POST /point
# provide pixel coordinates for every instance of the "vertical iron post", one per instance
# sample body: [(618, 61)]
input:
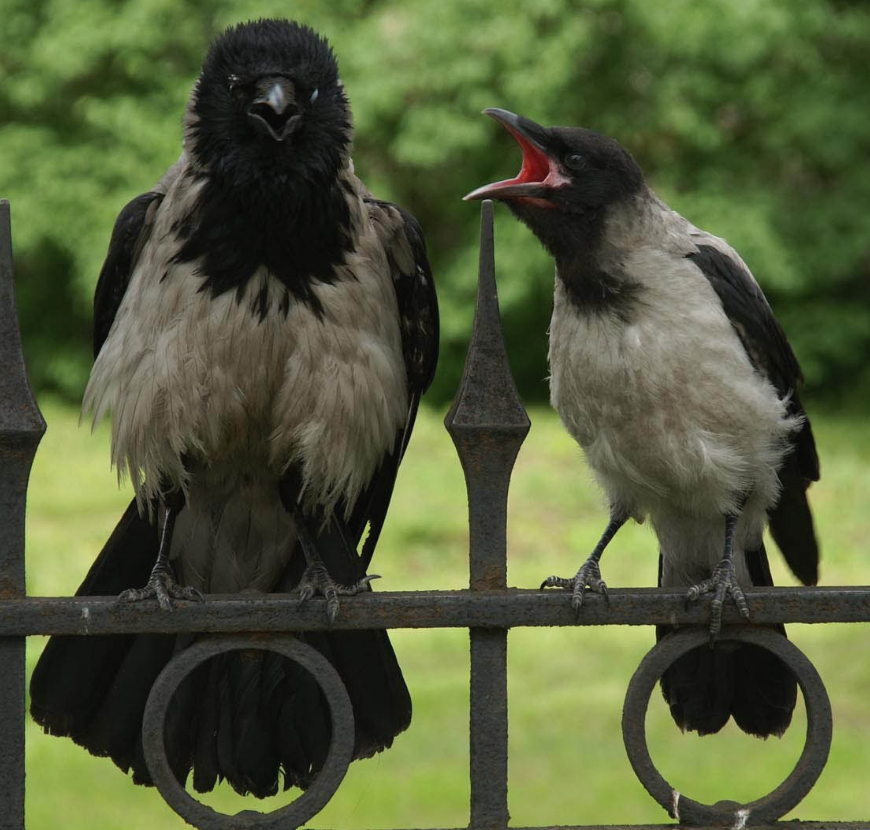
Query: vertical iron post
[(488, 424), (21, 428)]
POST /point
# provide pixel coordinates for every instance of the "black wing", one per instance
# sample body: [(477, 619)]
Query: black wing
[(132, 229), (791, 522), (405, 248)]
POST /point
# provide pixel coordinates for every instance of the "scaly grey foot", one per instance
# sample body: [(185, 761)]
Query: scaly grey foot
[(722, 583), (588, 578), (161, 586), (316, 580)]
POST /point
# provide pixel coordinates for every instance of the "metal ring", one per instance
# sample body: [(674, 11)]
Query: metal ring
[(328, 778), (787, 795)]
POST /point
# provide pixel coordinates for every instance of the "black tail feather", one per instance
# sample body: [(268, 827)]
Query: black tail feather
[(255, 755), (74, 673), (245, 717), (293, 746), (792, 528), (707, 686), (184, 716), (766, 695), (699, 688), (206, 764), (117, 722)]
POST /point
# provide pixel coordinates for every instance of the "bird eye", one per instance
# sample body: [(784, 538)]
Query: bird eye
[(314, 96), (575, 161), (235, 86)]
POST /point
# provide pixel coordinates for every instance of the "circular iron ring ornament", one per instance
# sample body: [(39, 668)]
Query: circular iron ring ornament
[(306, 805), (775, 804)]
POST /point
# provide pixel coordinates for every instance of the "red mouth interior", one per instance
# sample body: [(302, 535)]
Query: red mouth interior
[(536, 165), (537, 169)]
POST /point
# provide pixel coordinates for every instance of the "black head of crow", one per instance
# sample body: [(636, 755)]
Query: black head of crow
[(670, 370), (269, 128), (263, 332), (569, 176), (269, 109)]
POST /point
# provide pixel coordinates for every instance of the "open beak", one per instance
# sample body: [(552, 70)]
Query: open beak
[(274, 111), (539, 173)]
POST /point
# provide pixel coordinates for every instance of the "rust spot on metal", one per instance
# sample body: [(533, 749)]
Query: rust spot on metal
[(9, 588)]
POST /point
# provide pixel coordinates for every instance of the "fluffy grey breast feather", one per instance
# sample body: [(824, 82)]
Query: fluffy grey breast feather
[(671, 415)]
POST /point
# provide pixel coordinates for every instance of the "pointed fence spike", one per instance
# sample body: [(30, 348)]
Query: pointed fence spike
[(488, 425), (21, 428)]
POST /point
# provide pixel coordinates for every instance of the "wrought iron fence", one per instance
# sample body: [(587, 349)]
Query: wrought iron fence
[(488, 425)]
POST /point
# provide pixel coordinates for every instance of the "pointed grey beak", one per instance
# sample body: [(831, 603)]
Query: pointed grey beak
[(274, 112), (518, 125), (276, 98)]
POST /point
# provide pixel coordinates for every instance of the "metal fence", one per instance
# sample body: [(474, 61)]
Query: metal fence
[(488, 425)]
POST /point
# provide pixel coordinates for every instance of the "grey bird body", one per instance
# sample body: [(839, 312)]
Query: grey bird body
[(671, 415), (671, 372), (240, 396)]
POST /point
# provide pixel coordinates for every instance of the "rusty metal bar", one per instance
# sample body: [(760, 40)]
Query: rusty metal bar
[(21, 427), (488, 424), (511, 608), (488, 729), (788, 824), (12, 680), (787, 795)]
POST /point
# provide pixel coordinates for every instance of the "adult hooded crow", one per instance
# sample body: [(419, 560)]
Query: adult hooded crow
[(264, 330), (670, 370)]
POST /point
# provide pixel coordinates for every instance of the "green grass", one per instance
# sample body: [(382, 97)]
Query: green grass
[(567, 762)]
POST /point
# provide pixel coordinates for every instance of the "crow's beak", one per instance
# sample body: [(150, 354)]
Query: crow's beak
[(274, 111), (539, 173)]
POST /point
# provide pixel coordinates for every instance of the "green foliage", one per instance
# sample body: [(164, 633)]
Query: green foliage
[(751, 117)]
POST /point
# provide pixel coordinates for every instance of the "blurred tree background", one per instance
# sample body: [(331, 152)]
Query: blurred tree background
[(750, 117)]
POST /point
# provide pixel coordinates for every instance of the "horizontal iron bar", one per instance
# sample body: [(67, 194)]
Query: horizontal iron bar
[(420, 609), (785, 824)]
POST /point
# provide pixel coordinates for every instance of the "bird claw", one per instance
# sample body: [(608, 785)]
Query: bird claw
[(316, 580), (588, 578), (161, 586), (721, 584)]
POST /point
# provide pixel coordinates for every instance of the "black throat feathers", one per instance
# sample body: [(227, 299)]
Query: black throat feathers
[(574, 239), (594, 290), (298, 232)]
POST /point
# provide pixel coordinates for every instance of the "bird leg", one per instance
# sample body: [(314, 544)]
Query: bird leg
[(316, 579), (588, 577), (161, 583), (722, 582)]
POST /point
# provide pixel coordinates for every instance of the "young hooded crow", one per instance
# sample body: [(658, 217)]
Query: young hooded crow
[(263, 331), (671, 372)]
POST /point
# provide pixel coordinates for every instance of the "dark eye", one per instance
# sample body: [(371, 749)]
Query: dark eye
[(235, 86), (575, 161)]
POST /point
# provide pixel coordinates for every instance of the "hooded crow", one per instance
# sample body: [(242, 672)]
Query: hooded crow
[(671, 372), (263, 331)]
